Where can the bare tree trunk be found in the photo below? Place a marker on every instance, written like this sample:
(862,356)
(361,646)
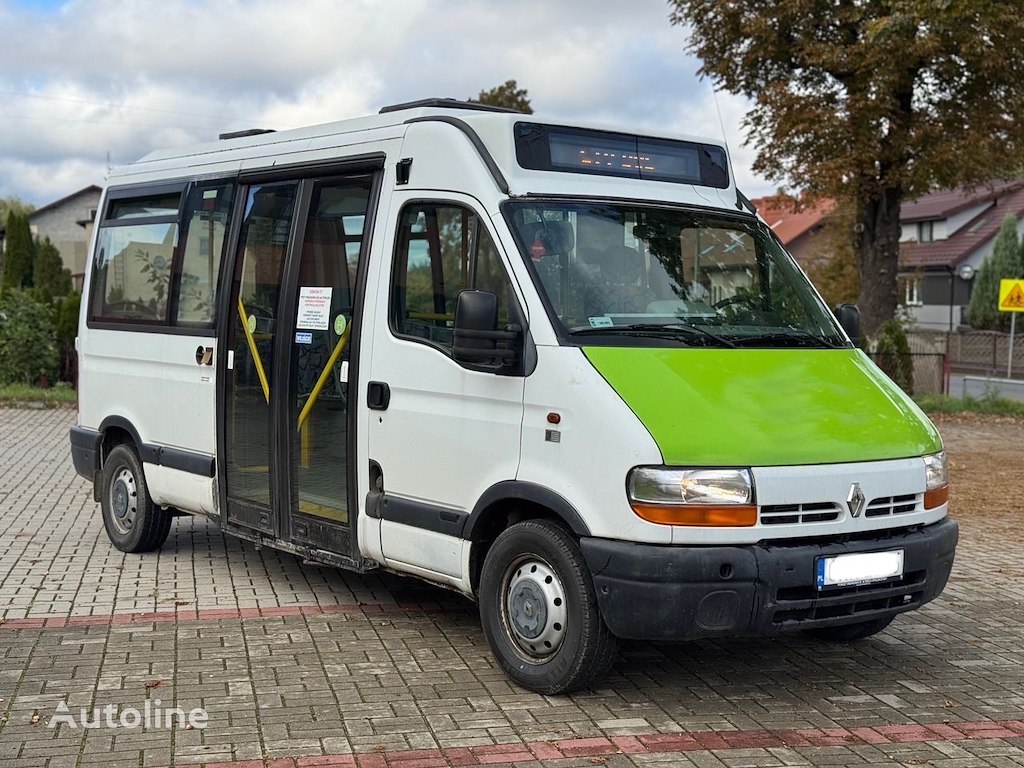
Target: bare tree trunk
(876,240)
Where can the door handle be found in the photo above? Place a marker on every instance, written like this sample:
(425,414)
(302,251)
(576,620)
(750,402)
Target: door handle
(378,395)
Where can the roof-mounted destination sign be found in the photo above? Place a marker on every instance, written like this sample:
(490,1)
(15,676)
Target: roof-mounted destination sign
(576,150)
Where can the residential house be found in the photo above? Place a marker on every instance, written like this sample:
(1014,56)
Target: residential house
(800,226)
(946,235)
(68,223)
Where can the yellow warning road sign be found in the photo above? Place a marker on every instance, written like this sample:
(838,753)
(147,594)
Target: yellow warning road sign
(1011,295)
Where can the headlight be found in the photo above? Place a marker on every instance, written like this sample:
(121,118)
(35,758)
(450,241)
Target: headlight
(936,472)
(703,497)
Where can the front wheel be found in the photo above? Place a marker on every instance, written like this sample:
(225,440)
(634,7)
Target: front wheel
(133,522)
(539,611)
(849,633)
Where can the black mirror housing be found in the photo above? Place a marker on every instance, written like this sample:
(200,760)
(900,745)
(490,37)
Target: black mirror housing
(477,336)
(848,316)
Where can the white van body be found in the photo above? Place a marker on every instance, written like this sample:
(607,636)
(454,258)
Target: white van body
(270,337)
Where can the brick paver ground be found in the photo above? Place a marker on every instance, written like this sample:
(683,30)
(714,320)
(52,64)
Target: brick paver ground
(298,665)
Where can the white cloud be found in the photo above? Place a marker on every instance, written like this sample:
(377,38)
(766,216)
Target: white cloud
(128,78)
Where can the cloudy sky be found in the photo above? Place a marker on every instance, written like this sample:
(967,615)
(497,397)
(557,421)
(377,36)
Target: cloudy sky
(81,82)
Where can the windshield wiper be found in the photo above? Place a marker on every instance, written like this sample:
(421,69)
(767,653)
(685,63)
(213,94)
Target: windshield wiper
(659,331)
(790,337)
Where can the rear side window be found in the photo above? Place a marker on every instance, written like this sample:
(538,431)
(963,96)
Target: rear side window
(150,269)
(134,259)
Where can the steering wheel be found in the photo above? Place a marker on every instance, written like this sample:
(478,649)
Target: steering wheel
(132,309)
(738,300)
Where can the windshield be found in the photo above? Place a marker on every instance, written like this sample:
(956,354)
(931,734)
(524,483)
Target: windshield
(633,274)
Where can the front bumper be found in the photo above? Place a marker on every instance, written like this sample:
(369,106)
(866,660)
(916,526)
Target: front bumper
(654,592)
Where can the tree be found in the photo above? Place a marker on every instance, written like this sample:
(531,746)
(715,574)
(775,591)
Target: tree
(16,204)
(49,276)
(1004,262)
(871,102)
(66,328)
(834,271)
(18,252)
(508,95)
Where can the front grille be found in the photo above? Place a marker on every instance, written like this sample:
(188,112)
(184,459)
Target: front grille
(893,505)
(816,512)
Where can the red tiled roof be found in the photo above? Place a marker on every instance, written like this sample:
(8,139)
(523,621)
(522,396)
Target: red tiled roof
(788,219)
(945,202)
(965,241)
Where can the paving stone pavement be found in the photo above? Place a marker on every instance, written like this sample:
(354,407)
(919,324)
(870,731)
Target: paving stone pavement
(298,665)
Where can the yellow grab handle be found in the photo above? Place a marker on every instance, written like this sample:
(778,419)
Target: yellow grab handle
(252,349)
(325,374)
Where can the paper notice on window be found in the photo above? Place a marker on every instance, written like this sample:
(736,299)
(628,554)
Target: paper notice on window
(314,308)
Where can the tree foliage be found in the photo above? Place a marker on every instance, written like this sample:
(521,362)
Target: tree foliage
(19,252)
(16,204)
(1004,262)
(66,325)
(28,340)
(49,276)
(508,95)
(871,101)
(892,353)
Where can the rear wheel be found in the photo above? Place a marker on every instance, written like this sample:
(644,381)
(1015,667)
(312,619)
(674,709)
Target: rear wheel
(848,633)
(539,611)
(133,522)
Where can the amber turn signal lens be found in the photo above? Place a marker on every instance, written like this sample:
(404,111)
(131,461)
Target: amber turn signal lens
(936,498)
(731,515)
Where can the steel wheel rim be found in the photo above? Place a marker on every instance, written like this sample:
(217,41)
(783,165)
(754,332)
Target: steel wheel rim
(533,608)
(124,501)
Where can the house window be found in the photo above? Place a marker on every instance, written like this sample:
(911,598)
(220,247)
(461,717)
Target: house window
(912,292)
(925,231)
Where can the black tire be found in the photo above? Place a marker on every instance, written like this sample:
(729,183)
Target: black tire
(535,578)
(133,522)
(849,633)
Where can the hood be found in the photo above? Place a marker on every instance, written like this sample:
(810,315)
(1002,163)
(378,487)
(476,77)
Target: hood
(766,407)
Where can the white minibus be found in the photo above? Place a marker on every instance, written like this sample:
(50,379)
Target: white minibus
(564,370)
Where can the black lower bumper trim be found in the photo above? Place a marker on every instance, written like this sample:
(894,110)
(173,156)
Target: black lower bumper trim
(656,592)
(85,451)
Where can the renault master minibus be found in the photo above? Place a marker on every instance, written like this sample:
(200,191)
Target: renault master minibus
(564,370)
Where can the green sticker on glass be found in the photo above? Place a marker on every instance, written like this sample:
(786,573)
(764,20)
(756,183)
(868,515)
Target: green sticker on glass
(251,324)
(340,323)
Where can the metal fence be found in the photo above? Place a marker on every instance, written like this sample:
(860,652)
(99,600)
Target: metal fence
(929,372)
(972,352)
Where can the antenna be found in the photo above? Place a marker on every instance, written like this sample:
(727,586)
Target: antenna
(721,122)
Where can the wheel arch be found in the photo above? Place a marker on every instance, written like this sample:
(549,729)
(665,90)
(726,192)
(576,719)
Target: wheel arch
(507,503)
(115,428)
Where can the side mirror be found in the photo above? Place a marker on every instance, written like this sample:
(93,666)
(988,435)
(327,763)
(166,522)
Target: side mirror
(477,337)
(848,316)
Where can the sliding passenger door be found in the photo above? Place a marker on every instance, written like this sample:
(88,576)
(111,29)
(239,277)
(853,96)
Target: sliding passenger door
(294,309)
(254,331)
(317,418)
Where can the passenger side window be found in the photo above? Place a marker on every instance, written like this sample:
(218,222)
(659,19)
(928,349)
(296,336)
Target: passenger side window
(143,275)
(134,255)
(207,213)
(442,249)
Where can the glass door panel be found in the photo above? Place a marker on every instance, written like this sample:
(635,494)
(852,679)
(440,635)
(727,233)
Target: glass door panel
(319,413)
(252,335)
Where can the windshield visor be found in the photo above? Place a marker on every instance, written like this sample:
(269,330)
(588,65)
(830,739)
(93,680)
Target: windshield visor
(640,276)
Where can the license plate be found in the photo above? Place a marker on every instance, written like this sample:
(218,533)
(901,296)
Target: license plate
(860,568)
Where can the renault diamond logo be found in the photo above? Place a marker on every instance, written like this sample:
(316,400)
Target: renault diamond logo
(856,501)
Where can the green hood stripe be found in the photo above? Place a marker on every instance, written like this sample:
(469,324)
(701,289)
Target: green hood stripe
(766,407)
